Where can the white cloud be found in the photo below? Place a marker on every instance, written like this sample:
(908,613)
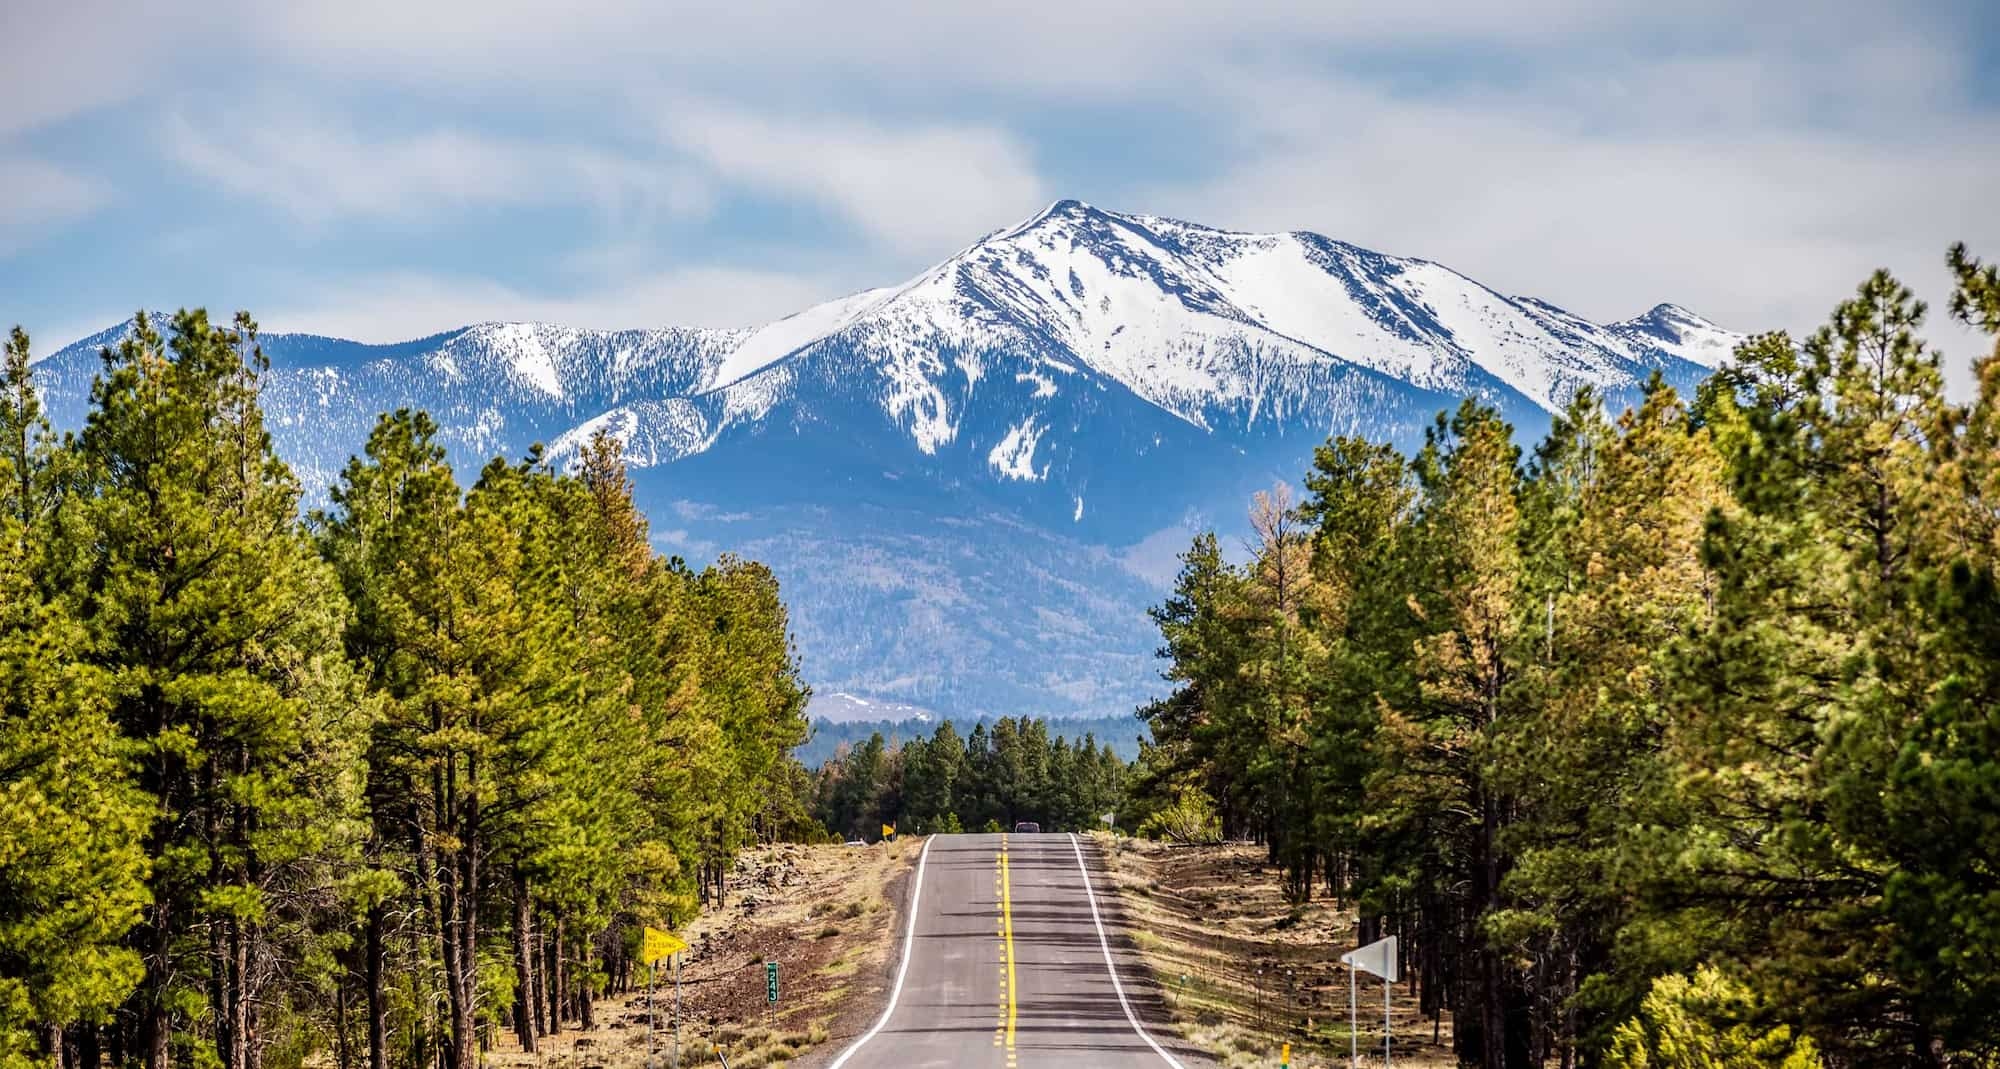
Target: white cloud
(70,57)
(678,540)
(1709,184)
(319,170)
(399,306)
(38,197)
(922,188)
(1121,48)
(1750,162)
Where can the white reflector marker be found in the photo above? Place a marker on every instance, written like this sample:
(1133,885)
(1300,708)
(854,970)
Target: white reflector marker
(1379,959)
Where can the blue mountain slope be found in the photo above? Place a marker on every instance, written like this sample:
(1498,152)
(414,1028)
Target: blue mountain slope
(948,474)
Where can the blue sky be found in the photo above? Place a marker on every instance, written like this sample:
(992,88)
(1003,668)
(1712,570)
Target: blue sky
(379,169)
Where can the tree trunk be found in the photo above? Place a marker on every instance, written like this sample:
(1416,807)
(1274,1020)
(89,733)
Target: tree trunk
(458,911)
(565,998)
(1492,1007)
(156,1031)
(239,1001)
(465,1015)
(524,966)
(585,989)
(538,966)
(552,974)
(378,1009)
(343,1057)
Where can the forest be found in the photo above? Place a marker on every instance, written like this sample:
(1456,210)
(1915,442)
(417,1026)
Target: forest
(1119,732)
(999,773)
(366,784)
(1674,741)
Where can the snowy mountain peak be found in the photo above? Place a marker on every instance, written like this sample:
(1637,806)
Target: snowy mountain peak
(943,472)
(1691,337)
(1210,325)
(1010,348)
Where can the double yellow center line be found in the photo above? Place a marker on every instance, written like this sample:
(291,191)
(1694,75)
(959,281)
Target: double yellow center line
(1004,884)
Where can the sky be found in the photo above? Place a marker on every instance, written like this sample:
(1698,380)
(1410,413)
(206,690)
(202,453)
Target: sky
(383,169)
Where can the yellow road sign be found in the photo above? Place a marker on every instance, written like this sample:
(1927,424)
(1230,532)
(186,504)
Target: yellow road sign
(659,946)
(888,830)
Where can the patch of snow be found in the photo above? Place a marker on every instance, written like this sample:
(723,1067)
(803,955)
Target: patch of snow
(790,334)
(1044,386)
(532,359)
(1014,457)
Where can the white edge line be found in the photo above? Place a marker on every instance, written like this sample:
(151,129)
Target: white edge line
(909,940)
(1109,965)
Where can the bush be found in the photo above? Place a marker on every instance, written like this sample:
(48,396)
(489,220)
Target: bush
(1189,819)
(1697,1023)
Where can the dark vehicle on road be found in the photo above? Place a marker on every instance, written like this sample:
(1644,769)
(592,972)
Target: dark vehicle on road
(1027,827)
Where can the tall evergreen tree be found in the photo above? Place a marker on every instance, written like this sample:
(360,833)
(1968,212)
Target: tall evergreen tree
(72,868)
(218,629)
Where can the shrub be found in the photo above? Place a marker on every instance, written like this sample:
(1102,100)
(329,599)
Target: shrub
(1698,1022)
(1189,819)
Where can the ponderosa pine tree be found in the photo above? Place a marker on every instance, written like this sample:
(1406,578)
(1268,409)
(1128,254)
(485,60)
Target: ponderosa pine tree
(1359,512)
(1617,515)
(394,505)
(1469,536)
(1794,700)
(1202,733)
(72,870)
(217,628)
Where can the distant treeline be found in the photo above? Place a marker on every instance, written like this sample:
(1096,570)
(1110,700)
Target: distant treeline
(1122,734)
(363,788)
(1674,744)
(1010,770)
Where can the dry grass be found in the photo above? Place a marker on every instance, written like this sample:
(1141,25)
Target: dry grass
(1243,971)
(822,912)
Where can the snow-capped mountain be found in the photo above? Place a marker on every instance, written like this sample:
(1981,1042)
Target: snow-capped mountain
(949,473)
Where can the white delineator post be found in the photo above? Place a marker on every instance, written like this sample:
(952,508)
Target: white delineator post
(1378,958)
(1353,1023)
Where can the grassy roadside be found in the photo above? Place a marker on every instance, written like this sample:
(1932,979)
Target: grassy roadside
(1244,972)
(824,913)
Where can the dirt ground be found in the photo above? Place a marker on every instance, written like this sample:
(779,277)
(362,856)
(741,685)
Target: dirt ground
(1244,972)
(828,915)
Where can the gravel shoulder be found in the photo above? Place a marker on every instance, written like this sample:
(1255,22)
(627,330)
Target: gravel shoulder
(1243,971)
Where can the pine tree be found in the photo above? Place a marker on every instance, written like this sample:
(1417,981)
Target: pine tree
(1793,705)
(72,868)
(1615,519)
(218,628)
(1469,538)
(1359,513)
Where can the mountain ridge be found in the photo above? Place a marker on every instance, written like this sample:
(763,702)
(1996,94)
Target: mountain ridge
(985,439)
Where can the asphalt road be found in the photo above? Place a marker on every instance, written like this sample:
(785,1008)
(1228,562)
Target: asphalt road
(1006,966)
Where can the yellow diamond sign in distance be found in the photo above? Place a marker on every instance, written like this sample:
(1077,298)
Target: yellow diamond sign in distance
(888,830)
(659,946)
